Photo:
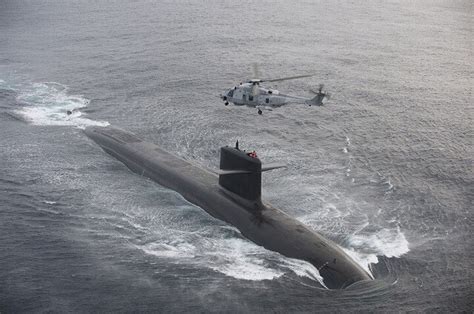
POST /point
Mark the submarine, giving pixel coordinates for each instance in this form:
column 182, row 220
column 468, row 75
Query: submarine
column 233, row 195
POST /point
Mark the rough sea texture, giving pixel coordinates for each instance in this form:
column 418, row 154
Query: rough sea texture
column 384, row 170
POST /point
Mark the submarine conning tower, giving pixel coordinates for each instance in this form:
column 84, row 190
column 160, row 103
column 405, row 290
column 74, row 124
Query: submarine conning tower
column 242, row 174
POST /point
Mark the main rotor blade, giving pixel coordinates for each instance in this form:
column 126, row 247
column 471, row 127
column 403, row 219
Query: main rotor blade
column 256, row 73
column 288, row 78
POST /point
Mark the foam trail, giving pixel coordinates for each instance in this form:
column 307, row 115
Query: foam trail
column 49, row 103
column 387, row 242
column 243, row 260
column 5, row 86
column 302, row 269
column 233, row 257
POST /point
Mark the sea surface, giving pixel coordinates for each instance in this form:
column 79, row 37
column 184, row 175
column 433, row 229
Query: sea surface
column 385, row 169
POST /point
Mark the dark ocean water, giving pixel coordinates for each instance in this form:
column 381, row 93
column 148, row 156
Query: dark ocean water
column 385, row 170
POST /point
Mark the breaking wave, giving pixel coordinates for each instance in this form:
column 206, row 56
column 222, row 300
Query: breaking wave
column 233, row 257
column 50, row 103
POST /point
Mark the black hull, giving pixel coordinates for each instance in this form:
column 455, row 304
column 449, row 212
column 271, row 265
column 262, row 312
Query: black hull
column 259, row 222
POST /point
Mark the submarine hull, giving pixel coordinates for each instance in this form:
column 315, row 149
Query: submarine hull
column 261, row 223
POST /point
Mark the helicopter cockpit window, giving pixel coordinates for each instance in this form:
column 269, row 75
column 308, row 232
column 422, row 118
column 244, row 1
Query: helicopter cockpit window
column 267, row 100
column 250, row 98
column 230, row 93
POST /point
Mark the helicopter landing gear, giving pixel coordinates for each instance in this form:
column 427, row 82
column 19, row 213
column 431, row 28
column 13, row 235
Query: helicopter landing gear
column 226, row 103
column 259, row 111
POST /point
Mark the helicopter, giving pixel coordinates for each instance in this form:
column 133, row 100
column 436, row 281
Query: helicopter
column 251, row 94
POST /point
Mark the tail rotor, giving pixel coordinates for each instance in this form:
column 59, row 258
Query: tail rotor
column 320, row 97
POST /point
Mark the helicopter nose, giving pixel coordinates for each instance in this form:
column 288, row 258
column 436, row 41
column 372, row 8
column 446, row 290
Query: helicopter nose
column 224, row 98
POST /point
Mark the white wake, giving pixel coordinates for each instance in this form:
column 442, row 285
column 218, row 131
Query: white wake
column 50, row 103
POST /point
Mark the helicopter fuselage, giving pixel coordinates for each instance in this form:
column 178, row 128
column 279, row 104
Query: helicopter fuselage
column 251, row 94
column 248, row 95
